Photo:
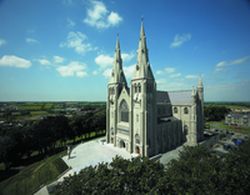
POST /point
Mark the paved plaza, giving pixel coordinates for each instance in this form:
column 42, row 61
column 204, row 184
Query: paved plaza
column 93, row 152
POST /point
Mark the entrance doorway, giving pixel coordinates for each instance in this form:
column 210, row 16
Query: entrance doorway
column 137, row 150
column 122, row 144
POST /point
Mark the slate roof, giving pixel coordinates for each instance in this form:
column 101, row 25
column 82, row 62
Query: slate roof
column 162, row 97
column 181, row 97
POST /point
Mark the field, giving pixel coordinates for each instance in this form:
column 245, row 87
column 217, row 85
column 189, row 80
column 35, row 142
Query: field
column 32, row 177
column 233, row 106
column 221, row 125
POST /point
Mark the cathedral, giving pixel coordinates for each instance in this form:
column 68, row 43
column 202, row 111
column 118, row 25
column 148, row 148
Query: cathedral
column 146, row 121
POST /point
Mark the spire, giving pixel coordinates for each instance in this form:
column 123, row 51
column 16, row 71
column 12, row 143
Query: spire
column 117, row 71
column 193, row 91
column 118, row 59
column 200, row 83
column 143, row 69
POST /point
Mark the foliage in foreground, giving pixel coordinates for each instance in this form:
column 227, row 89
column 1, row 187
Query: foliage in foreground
column 197, row 171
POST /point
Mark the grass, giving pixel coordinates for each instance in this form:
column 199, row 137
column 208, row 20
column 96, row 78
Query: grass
column 32, row 177
column 221, row 125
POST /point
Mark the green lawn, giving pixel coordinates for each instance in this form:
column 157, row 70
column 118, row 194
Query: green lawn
column 32, row 177
column 221, row 125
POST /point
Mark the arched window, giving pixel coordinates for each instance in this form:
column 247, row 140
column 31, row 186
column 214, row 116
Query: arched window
column 124, row 117
column 135, row 88
column 137, row 139
column 139, row 88
column 175, row 110
column 185, row 129
column 185, row 110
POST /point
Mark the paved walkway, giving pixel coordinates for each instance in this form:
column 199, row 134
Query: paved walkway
column 93, row 152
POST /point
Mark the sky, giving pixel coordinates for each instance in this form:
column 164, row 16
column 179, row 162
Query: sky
column 62, row 50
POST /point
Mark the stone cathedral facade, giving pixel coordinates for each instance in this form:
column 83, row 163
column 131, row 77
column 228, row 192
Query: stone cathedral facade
column 146, row 121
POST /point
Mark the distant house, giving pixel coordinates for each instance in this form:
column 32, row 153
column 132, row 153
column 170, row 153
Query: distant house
column 241, row 119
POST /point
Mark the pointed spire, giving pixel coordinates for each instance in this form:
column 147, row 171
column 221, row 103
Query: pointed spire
column 143, row 69
column 118, row 58
column 117, row 71
column 193, row 91
column 200, row 83
column 142, row 32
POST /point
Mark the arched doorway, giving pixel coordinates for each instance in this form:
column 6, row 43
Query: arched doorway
column 137, row 150
column 122, row 144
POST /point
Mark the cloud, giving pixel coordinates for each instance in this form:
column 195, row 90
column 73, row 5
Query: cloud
column 104, row 61
column 70, row 23
column 74, row 68
column 169, row 70
column 179, row 39
column 223, row 64
column 31, row 40
column 191, row 76
column 175, row 75
column 77, row 41
column 2, row 42
column 54, row 61
column 114, row 19
column 14, row 61
column 95, row 72
column 129, row 71
column 100, row 17
column 44, row 61
column 58, row 59
column 159, row 72
column 127, row 56
column 107, row 73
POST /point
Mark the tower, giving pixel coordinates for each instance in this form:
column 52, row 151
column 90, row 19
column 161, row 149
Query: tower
column 143, row 103
column 200, row 91
column 192, row 135
column 116, row 84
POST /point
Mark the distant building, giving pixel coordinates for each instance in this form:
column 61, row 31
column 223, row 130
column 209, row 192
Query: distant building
column 241, row 119
column 146, row 121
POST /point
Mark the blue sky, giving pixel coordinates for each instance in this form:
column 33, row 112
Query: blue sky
column 55, row 50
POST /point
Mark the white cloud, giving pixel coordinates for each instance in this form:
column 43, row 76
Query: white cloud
column 100, row 17
column 44, row 61
column 114, row 18
column 161, row 81
column 159, row 72
column 223, row 64
column 70, row 23
column 14, row 61
column 95, row 72
column 169, row 70
column 74, row 68
column 107, row 73
column 175, row 75
column 179, row 39
column 58, row 59
column 127, row 56
column 104, row 61
column 31, row 40
column 191, row 76
column 2, row 42
column 129, row 71
column 77, row 41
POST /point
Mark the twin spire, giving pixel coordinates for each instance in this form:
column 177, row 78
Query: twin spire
column 143, row 69
column 117, row 72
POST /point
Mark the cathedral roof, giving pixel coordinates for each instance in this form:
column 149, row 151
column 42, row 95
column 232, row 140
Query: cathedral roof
column 162, row 97
column 183, row 97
